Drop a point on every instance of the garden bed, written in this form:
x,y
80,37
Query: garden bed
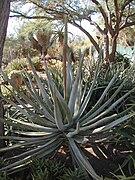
x,y
105,160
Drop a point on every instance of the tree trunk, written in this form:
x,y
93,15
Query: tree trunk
x,y
113,49
4,15
106,46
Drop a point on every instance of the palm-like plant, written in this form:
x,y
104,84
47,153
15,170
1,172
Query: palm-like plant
x,y
53,120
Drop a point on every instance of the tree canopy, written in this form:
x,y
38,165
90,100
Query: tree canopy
x,y
115,15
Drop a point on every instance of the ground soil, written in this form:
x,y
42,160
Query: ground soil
x,y
104,159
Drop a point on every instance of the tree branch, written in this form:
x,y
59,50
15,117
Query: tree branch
x,y
109,13
116,10
88,35
128,24
19,15
97,26
123,7
104,16
49,9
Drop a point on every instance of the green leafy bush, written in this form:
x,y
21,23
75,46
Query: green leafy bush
x,y
16,64
37,64
5,91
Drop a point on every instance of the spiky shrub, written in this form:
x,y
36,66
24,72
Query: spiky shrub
x,y
52,120
56,73
37,64
122,59
48,169
5,91
130,163
77,174
126,134
126,87
125,131
16,64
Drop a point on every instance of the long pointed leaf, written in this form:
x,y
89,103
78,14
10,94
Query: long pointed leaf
x,y
114,123
43,91
65,108
58,114
59,97
102,107
82,159
69,78
34,126
72,99
96,114
105,92
27,156
89,94
41,103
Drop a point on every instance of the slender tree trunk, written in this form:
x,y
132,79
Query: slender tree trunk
x,y
106,46
113,50
4,15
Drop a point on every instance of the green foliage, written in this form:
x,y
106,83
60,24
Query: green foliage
x,y
19,64
56,72
126,134
48,169
131,167
119,58
126,130
16,64
5,91
77,174
3,175
37,63
105,76
52,120
34,26
124,177
130,163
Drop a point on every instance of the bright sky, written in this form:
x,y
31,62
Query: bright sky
x,y
85,25
13,25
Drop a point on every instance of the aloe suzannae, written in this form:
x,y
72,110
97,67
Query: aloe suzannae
x,y
52,120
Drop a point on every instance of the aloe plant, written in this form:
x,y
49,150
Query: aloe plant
x,y
77,174
53,120
48,169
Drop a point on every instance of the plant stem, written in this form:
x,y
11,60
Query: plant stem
x,y
65,54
